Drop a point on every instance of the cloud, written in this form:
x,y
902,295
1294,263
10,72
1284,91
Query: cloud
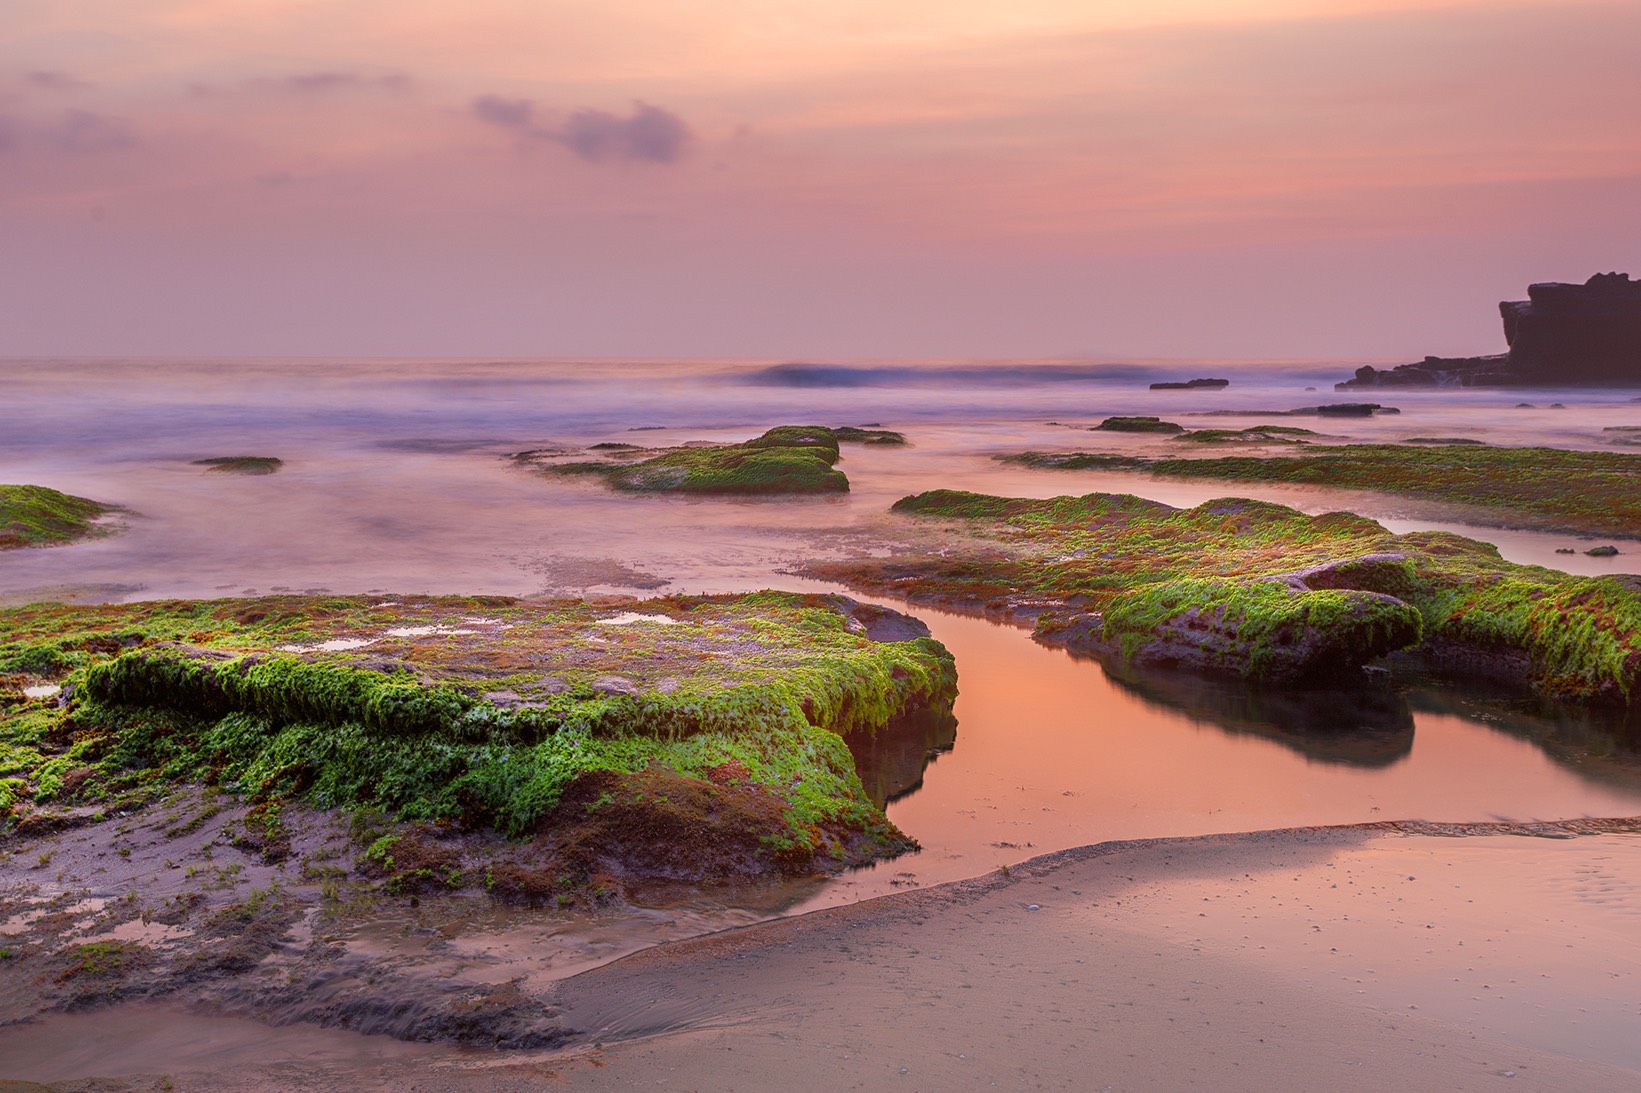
x,y
649,134
75,132
508,113
320,82
54,81
324,82
81,131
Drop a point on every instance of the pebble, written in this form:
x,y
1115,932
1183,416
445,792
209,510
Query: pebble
x,y
1033,907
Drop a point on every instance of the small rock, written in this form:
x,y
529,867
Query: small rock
x,y
1033,907
1602,551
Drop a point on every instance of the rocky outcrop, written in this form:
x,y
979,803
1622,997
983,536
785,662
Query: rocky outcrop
x,y
1583,333
1191,385
1560,334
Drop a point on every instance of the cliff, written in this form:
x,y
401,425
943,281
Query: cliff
x,y
1560,334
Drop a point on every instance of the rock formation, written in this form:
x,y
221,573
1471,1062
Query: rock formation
x,y
1560,334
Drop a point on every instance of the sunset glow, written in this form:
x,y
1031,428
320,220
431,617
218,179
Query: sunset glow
x,y
774,179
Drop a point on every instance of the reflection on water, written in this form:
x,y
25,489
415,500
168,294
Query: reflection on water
x,y
1363,726
1603,744
1054,753
892,760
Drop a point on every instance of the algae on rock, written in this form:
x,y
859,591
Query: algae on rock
x,y
249,465
482,711
1266,593
1552,488
35,516
785,459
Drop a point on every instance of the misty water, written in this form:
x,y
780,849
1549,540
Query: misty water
x,y
397,480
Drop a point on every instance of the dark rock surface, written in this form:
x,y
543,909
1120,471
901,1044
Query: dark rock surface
x,y
1579,333
1560,334
1191,385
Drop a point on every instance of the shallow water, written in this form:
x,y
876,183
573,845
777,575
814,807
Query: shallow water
x,y
396,480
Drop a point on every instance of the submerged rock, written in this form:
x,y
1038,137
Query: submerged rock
x,y
1139,425
1191,385
241,464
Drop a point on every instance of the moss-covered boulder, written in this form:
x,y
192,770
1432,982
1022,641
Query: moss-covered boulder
x,y
1265,593
249,465
1271,630
35,516
487,713
1139,425
866,434
1253,434
786,459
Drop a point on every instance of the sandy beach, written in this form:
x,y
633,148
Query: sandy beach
x,y
1367,957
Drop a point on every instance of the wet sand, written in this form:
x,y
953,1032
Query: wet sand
x,y
1387,956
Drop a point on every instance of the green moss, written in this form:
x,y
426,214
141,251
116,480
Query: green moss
x,y
1269,621
478,709
1076,461
241,464
32,516
102,959
851,434
1139,425
786,459
796,436
1586,492
1444,440
1254,434
1133,566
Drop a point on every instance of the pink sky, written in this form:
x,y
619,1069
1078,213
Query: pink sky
x,y
773,178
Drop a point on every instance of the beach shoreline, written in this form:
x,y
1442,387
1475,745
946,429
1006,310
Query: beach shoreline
x,y
1425,956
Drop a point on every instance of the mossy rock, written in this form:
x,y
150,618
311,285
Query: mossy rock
x,y
853,434
785,460
1266,630
1254,434
35,516
1139,425
1443,440
796,436
1266,593
478,711
1597,493
249,465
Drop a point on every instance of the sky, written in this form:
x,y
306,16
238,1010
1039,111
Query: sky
x,y
1355,179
